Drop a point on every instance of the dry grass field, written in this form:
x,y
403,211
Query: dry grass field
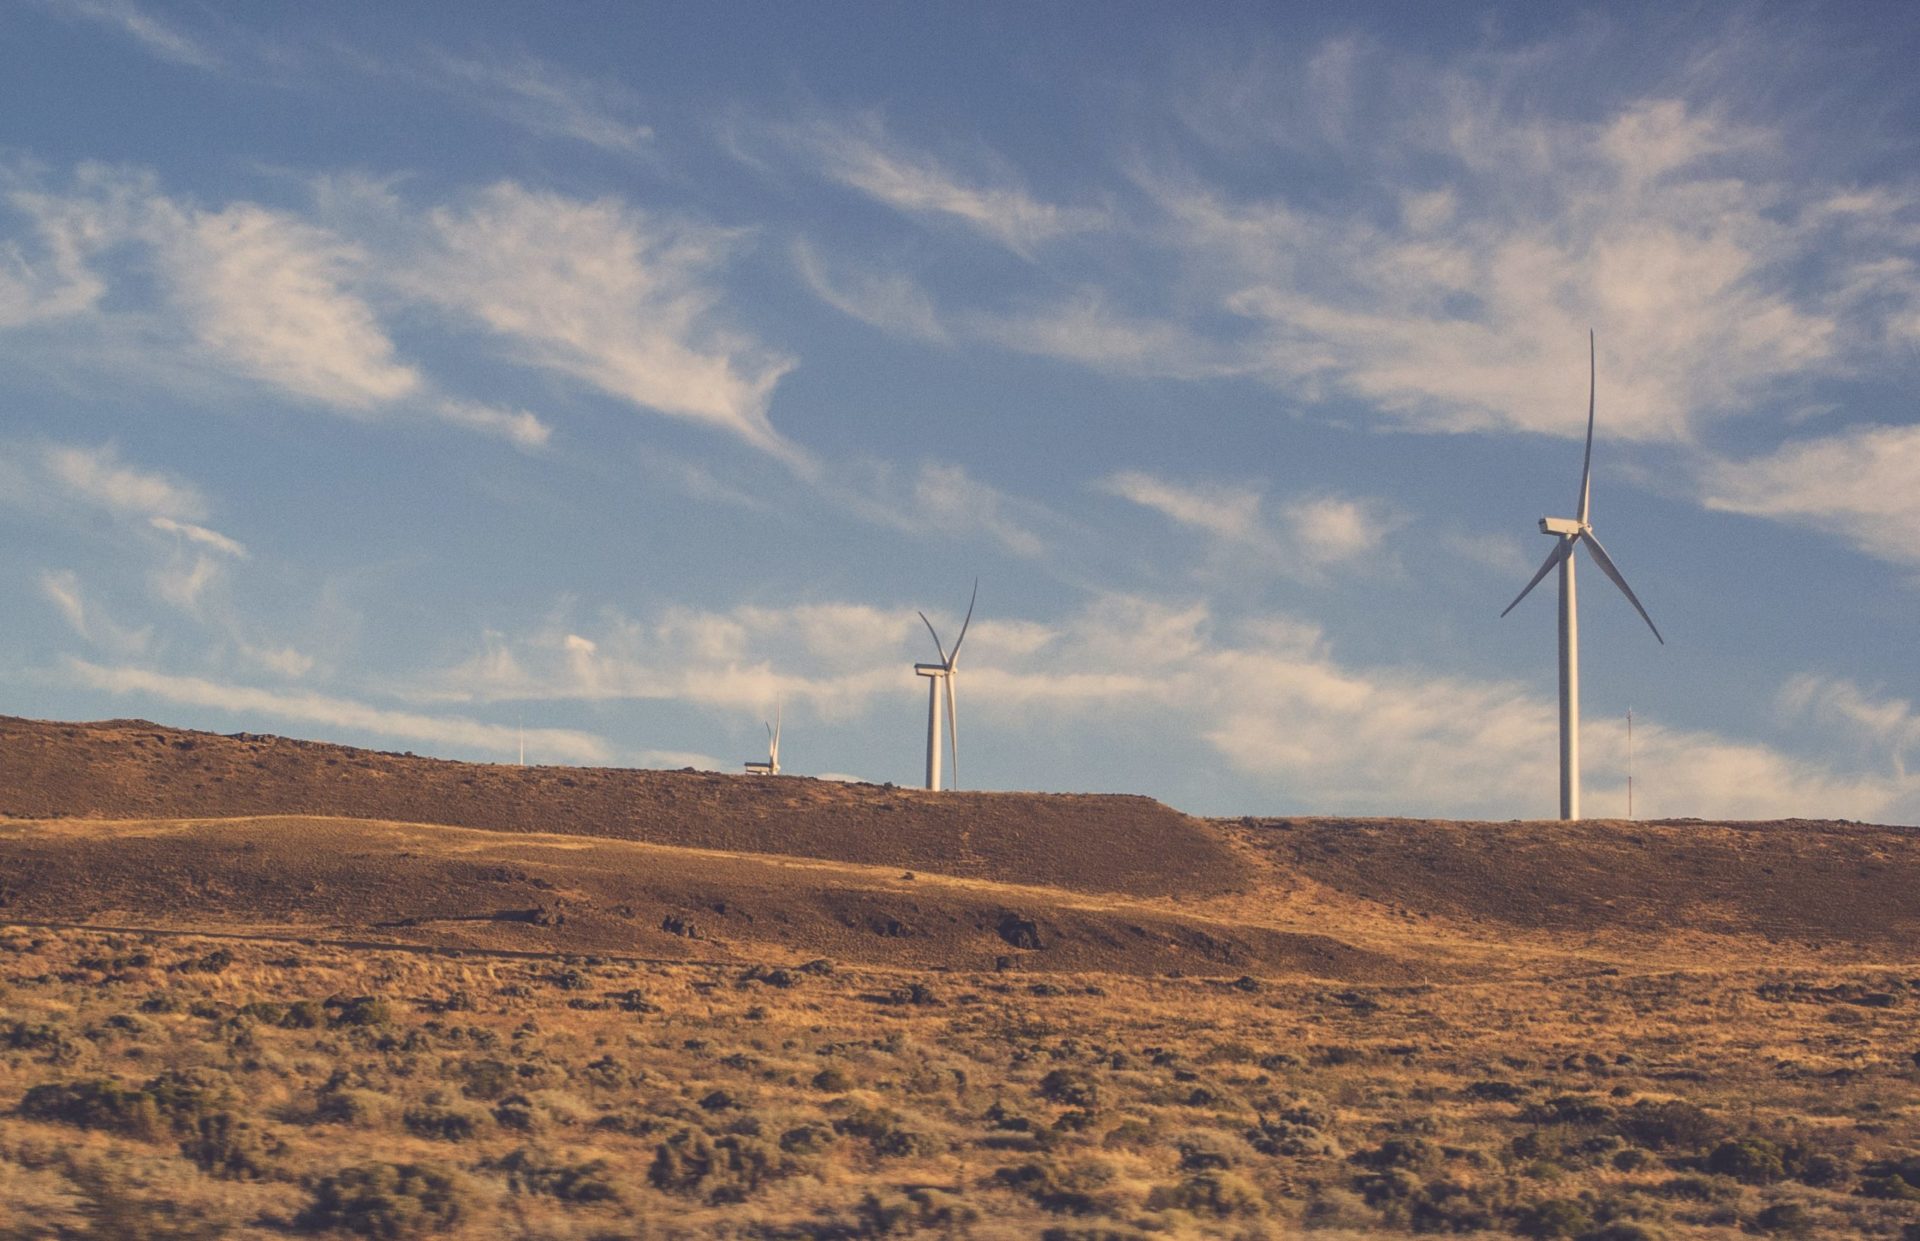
x,y
423,999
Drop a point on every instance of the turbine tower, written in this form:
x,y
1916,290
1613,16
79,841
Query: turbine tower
x,y
772,766
1569,531
941,676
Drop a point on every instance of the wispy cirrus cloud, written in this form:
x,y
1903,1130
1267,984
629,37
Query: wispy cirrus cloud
x,y
56,481
269,295
1441,247
259,295
1886,726
1304,535
1859,484
859,154
87,618
158,36
888,300
610,295
335,712
1087,327
545,99
1463,307
941,499
188,532
518,425
99,476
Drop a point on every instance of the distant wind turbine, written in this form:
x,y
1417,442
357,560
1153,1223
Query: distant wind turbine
x,y
1569,532
938,676
772,766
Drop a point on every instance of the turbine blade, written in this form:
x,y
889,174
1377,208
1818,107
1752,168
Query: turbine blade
x,y
1586,468
1554,557
953,729
936,638
963,624
1605,562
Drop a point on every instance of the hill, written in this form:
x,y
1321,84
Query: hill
x,y
126,769
131,823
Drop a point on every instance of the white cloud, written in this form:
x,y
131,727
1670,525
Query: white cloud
x,y
98,476
157,36
949,500
50,280
1267,695
1859,485
1227,511
189,532
886,300
250,292
610,295
545,99
941,499
1270,697
515,425
1301,536
742,660
283,660
1088,329
268,294
861,156
1888,725
62,588
1329,530
1450,284
626,302
182,581
333,712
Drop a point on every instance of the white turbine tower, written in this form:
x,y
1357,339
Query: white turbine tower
x,y
941,675
772,766
1570,531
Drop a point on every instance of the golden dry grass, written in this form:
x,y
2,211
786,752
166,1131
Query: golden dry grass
x,y
581,1097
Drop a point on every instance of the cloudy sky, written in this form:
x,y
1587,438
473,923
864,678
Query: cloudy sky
x,y
615,372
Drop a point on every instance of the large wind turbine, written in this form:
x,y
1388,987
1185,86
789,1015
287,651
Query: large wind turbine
x,y
1570,531
939,676
772,766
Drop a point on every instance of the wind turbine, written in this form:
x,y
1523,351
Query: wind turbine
x,y
939,675
772,766
1570,531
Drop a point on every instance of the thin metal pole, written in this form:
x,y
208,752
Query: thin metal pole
x,y
1629,763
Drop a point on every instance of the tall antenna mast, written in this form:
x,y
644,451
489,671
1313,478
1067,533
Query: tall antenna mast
x,y
523,743
1629,763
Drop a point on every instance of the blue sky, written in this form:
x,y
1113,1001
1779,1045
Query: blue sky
x,y
615,372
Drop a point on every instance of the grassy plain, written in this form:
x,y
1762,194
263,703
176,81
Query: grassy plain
x,y
178,1086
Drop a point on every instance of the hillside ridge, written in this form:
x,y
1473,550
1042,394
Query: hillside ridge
x,y
129,819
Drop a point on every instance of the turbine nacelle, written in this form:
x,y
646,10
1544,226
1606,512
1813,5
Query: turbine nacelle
x,y
932,670
1565,527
